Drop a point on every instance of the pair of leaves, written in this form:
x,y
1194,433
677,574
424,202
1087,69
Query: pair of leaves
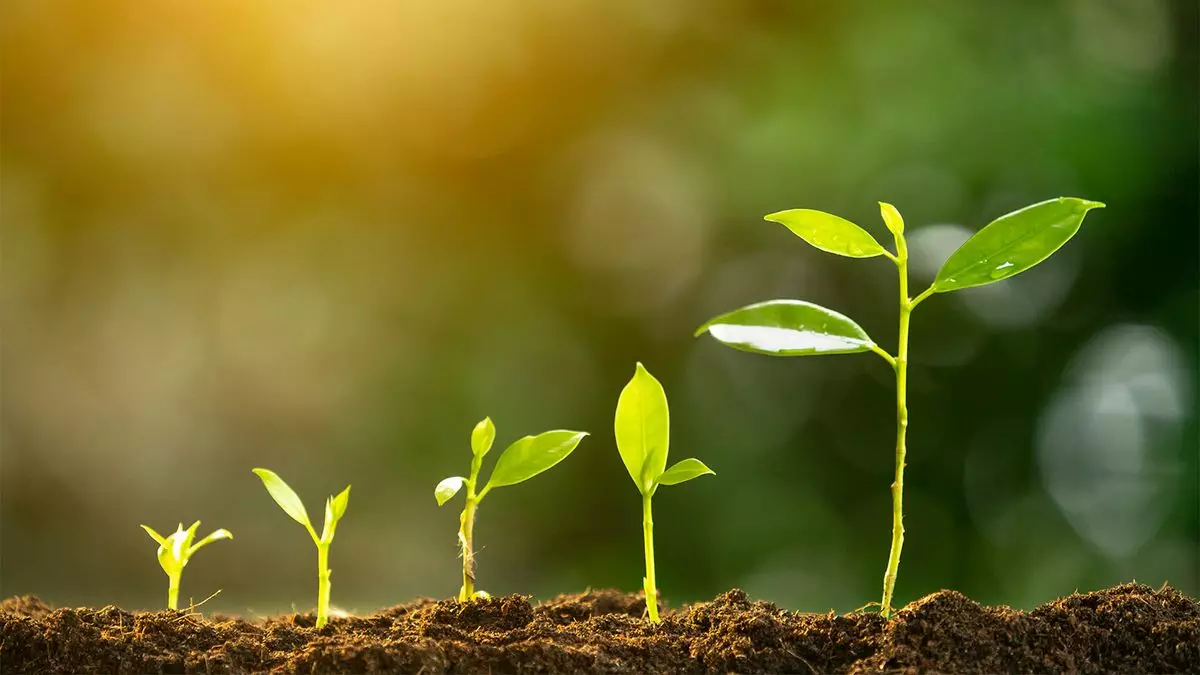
x,y
524,459
289,501
175,549
643,434
1007,246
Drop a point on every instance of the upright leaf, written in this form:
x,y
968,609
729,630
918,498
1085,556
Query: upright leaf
x,y
215,536
684,470
154,535
891,218
482,437
1013,243
340,502
285,497
642,428
828,232
532,455
446,489
788,328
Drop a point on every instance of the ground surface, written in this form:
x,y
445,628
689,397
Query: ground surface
x,y
1129,628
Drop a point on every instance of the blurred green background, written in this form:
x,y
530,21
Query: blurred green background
x,y
329,238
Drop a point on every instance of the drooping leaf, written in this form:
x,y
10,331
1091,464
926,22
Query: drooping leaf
x,y
828,232
532,455
1013,243
643,428
449,487
684,470
285,497
891,218
788,328
482,437
215,536
154,535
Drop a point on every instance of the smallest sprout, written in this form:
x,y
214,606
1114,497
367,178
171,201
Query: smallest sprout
x,y
174,551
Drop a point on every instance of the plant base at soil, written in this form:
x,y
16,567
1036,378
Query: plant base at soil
x,y
1129,628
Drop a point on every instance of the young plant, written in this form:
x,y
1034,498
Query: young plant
x,y
519,462
1007,246
335,508
174,551
642,428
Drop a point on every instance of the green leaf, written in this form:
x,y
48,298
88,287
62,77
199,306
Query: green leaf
x,y
891,218
154,535
449,487
1013,243
335,508
285,497
683,471
642,428
191,535
828,232
532,455
215,536
482,437
788,328
340,502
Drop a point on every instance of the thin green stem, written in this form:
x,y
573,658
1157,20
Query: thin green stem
x,y
466,533
884,355
921,298
323,583
648,538
173,591
901,367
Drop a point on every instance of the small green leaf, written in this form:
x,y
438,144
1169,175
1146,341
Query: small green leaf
x,y
446,489
154,535
215,536
788,328
340,502
483,436
643,428
828,232
285,497
335,508
1013,243
891,218
191,535
683,471
532,455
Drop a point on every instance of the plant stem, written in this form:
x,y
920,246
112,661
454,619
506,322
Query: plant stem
x,y
648,537
466,532
901,366
323,584
173,591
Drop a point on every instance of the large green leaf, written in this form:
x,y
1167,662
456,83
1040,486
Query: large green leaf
x,y
1013,243
642,428
788,328
532,455
828,232
683,471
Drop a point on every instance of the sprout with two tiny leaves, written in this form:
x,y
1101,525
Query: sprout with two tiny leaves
x,y
174,551
521,461
335,508
642,427
1007,246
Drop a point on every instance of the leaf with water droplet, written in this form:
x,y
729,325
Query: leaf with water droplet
x,y
828,232
788,328
1013,243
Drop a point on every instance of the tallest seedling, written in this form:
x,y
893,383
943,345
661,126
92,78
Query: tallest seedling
x,y
1008,245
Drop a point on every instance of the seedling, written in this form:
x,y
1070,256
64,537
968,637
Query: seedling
x,y
1007,246
175,550
335,508
642,428
519,462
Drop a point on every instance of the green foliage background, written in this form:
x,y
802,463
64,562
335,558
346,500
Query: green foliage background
x,y
328,239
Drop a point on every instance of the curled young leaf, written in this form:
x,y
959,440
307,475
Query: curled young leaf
x,y
788,328
532,455
1013,243
643,428
828,232
335,508
683,471
891,218
340,502
446,489
285,497
482,437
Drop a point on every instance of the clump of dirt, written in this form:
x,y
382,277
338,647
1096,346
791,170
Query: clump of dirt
x,y
1130,628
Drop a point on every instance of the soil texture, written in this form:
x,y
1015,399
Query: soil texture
x,y
1130,628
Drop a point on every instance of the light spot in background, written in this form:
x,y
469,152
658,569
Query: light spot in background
x,y
640,221
929,246
1131,36
1108,444
934,188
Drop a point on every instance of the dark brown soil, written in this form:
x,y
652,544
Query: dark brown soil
x,y
1130,628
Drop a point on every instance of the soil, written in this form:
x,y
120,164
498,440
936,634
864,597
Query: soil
x,y
1129,628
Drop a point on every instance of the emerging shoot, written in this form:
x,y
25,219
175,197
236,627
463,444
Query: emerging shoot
x,y
642,428
519,462
335,508
1007,246
175,550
